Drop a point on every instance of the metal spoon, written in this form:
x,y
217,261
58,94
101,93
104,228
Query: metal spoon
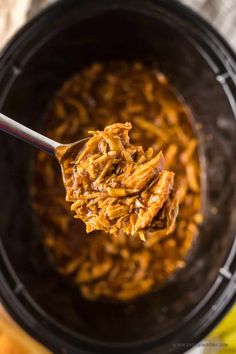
x,y
40,141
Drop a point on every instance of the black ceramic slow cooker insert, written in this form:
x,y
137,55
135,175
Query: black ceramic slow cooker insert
x,y
58,43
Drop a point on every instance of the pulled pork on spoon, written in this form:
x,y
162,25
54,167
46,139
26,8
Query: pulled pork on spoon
x,y
115,186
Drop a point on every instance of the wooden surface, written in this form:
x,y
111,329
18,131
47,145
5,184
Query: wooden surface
x,y
13,340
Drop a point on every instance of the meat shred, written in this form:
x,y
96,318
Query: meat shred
x,y
104,266
116,187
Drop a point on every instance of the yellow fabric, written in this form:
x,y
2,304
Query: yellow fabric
x,y
225,333
13,340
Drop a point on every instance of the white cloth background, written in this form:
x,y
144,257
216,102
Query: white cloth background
x,y
13,14
220,13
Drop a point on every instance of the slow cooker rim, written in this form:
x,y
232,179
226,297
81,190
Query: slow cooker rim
x,y
10,46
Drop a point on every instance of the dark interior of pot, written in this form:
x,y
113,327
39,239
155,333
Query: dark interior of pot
x,y
117,35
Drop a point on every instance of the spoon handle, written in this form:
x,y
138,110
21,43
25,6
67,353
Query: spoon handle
x,y
20,131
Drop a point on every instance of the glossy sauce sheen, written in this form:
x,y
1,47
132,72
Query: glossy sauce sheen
x,y
118,187
104,266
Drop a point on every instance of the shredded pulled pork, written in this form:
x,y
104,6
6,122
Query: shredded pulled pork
x,y
116,187
100,265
